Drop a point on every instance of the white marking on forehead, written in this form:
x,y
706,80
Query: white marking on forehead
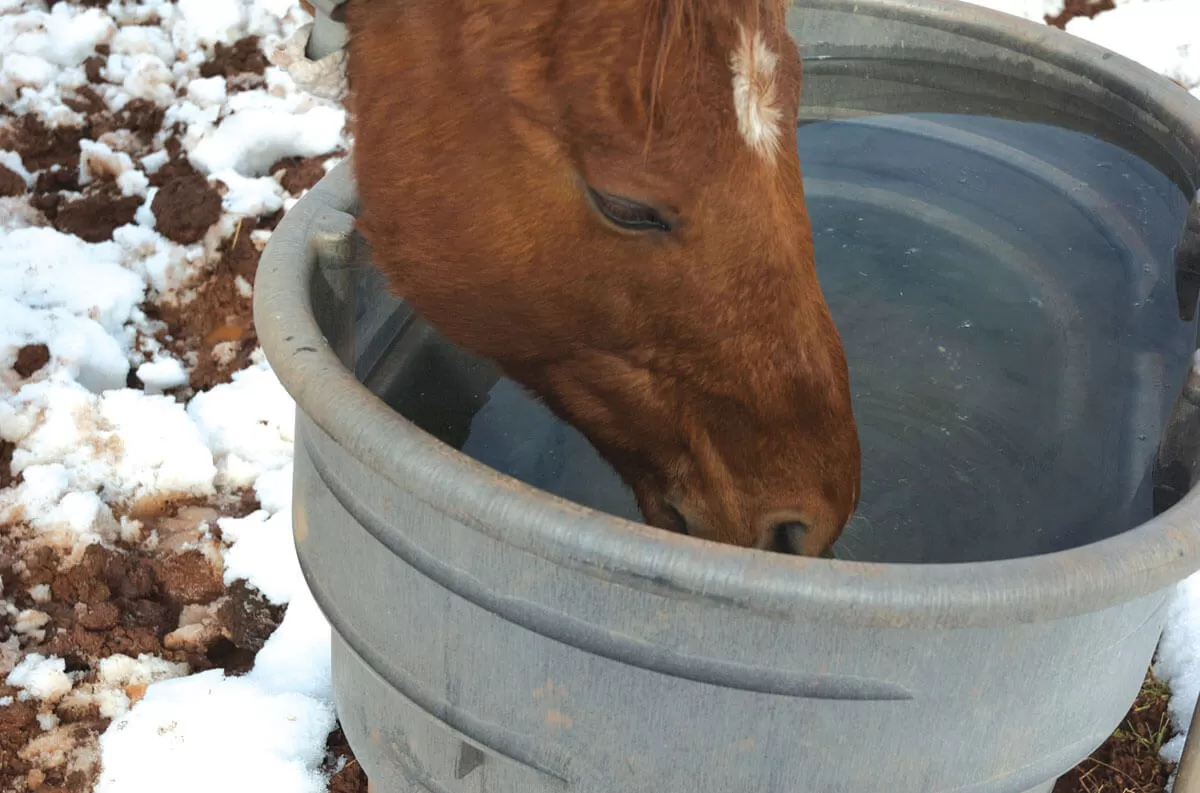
x,y
755,97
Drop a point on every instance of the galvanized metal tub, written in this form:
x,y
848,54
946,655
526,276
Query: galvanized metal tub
x,y
492,638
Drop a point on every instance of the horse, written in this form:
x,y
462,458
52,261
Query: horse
x,y
604,197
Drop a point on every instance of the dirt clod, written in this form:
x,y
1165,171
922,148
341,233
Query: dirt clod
x,y
6,454
350,778
93,67
90,103
99,617
1079,8
97,215
30,359
300,173
1129,760
245,56
41,146
56,179
11,183
189,577
215,324
248,617
15,723
186,205
84,582
142,117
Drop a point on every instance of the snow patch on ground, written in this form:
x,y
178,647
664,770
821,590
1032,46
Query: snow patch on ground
x,y
1178,662
248,424
229,733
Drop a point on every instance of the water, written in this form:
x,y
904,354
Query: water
x,y
1006,298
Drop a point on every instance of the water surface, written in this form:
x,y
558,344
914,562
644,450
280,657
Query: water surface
x,y
1006,298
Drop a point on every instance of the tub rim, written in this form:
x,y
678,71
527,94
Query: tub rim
x,y
1103,574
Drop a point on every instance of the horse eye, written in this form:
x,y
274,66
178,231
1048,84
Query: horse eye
x,y
676,517
628,214
788,537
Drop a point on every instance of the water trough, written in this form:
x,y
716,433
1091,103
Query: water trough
x,y
999,210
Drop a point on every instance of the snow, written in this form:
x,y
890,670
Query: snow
x,y
248,423
47,269
207,91
250,196
261,555
229,733
40,677
211,21
1178,662
162,374
1162,35
64,37
128,445
89,450
1159,34
250,140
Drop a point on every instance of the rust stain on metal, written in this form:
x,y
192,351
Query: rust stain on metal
x,y
550,689
300,524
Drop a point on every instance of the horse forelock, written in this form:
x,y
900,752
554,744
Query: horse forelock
x,y
678,28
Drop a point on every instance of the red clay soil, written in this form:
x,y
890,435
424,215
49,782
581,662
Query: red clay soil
x,y
40,146
215,324
301,173
126,599
1129,761
119,600
346,774
95,216
186,205
11,183
244,56
242,64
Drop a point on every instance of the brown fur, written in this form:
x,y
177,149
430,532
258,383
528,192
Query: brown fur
x,y
703,362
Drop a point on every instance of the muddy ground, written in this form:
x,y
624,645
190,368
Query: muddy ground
x,y
136,598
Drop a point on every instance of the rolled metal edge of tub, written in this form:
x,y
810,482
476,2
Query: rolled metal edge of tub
x,y
1143,560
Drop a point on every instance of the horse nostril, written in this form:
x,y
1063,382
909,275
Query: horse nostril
x,y
788,537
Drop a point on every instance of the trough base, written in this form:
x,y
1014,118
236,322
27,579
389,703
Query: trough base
x,y
404,748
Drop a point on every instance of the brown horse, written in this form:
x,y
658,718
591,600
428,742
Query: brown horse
x,y
604,197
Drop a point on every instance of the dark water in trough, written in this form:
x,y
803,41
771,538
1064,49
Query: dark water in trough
x,y
1007,300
